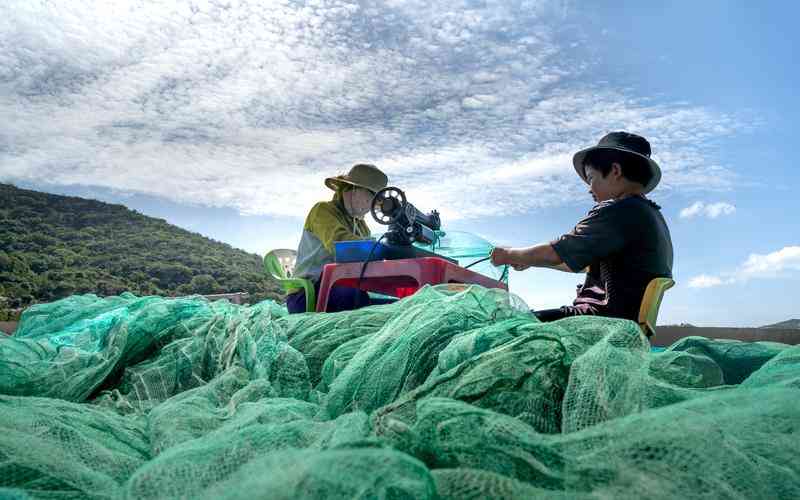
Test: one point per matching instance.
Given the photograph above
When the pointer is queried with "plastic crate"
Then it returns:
(359, 251)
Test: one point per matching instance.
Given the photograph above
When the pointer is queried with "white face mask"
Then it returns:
(357, 202)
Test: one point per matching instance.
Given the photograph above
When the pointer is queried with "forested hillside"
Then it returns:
(54, 246)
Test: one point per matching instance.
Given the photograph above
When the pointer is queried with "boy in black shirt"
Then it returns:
(621, 244)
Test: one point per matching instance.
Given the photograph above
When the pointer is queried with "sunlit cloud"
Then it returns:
(784, 263)
(710, 210)
(476, 110)
(706, 281)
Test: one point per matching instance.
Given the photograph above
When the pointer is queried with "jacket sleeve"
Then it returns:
(323, 222)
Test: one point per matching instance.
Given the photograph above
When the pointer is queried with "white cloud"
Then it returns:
(474, 110)
(716, 209)
(692, 210)
(710, 210)
(479, 101)
(782, 263)
(786, 259)
(705, 281)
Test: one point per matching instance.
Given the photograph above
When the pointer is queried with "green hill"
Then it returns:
(54, 246)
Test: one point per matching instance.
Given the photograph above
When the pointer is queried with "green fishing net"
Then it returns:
(468, 250)
(444, 394)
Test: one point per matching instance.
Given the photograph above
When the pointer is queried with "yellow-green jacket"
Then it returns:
(327, 222)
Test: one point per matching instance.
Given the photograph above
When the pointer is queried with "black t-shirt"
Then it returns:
(625, 243)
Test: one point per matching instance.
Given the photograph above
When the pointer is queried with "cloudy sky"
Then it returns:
(225, 116)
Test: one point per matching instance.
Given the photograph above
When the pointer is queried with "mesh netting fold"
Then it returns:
(449, 393)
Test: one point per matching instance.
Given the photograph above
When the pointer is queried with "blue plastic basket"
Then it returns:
(361, 250)
(358, 251)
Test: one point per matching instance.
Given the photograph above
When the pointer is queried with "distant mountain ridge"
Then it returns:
(789, 323)
(54, 246)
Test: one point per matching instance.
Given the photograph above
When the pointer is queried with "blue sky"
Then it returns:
(223, 117)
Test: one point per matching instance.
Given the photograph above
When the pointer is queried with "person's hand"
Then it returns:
(502, 256)
(499, 256)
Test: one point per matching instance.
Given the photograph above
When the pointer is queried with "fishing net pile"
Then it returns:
(449, 393)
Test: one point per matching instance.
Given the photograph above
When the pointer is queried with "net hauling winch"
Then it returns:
(406, 224)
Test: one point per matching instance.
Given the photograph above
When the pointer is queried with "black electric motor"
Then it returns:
(406, 223)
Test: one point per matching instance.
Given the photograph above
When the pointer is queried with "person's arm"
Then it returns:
(599, 234)
(326, 226)
(564, 267)
(542, 255)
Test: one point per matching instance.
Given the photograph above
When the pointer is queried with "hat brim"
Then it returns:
(655, 170)
(336, 183)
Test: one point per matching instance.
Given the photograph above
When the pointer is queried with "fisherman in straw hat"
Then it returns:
(622, 243)
(340, 219)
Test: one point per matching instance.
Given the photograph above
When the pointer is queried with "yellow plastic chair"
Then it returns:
(280, 264)
(651, 302)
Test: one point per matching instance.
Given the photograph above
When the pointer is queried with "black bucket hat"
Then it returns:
(625, 142)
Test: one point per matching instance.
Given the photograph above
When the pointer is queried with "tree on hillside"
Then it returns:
(54, 246)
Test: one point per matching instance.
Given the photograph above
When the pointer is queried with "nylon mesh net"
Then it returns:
(469, 250)
(449, 393)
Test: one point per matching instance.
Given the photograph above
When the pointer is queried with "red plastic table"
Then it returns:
(398, 278)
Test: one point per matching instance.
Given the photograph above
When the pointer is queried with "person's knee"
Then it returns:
(343, 298)
(546, 315)
(296, 302)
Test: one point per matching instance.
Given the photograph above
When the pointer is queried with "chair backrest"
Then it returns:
(651, 302)
(280, 263)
